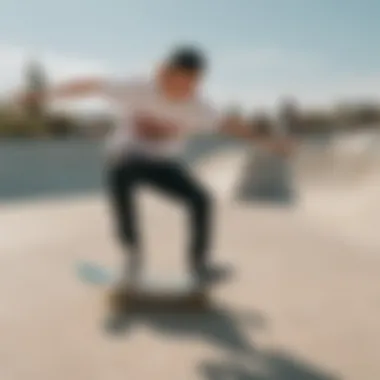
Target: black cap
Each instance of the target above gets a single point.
(187, 58)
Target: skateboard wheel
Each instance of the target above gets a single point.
(199, 300)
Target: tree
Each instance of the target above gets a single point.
(317, 121)
(36, 82)
(262, 123)
(289, 114)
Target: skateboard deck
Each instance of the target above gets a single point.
(154, 293)
(149, 293)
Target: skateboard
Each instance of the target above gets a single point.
(155, 294)
(148, 293)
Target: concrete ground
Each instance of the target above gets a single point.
(303, 304)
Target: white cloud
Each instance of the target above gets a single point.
(251, 78)
(309, 94)
(58, 67)
(257, 78)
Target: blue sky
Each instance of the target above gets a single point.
(317, 50)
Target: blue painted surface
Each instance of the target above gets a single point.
(93, 273)
(36, 169)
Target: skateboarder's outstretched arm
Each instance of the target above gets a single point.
(236, 127)
(125, 91)
(80, 88)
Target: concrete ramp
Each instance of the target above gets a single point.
(343, 159)
(266, 177)
(340, 187)
(303, 303)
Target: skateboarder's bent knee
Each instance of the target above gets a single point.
(201, 209)
(173, 180)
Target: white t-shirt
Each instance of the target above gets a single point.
(194, 116)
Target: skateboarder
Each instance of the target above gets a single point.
(157, 115)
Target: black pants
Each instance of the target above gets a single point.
(173, 180)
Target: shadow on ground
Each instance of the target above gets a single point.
(263, 365)
(215, 326)
(231, 333)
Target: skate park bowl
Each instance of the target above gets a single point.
(303, 303)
